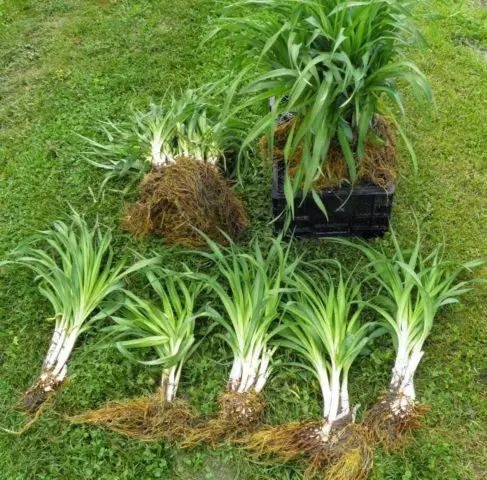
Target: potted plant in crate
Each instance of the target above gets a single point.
(333, 69)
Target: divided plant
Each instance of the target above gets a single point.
(181, 145)
(76, 271)
(335, 65)
(324, 326)
(158, 334)
(249, 289)
(413, 288)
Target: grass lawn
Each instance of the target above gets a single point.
(66, 63)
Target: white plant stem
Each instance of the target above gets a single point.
(402, 379)
(336, 404)
(156, 157)
(333, 404)
(264, 372)
(57, 342)
(65, 353)
(344, 399)
(251, 372)
(54, 368)
(235, 374)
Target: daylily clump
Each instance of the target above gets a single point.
(160, 334)
(324, 326)
(76, 271)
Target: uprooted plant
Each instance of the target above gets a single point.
(155, 333)
(181, 145)
(413, 289)
(331, 64)
(76, 271)
(250, 296)
(324, 327)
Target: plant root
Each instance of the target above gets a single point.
(238, 415)
(391, 429)
(39, 393)
(378, 164)
(177, 199)
(346, 455)
(349, 456)
(34, 400)
(146, 418)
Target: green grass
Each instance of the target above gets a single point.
(66, 63)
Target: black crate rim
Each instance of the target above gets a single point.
(340, 192)
(362, 210)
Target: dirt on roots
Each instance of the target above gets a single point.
(33, 401)
(346, 455)
(39, 393)
(147, 418)
(177, 199)
(238, 415)
(389, 429)
(378, 164)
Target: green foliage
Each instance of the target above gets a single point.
(413, 287)
(251, 294)
(165, 326)
(64, 68)
(330, 63)
(324, 325)
(197, 124)
(75, 270)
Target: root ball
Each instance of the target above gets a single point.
(39, 393)
(345, 455)
(238, 414)
(378, 165)
(390, 429)
(176, 199)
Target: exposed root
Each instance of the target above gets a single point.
(349, 456)
(145, 418)
(288, 441)
(34, 400)
(238, 414)
(378, 164)
(189, 194)
(32, 420)
(39, 393)
(346, 454)
(392, 428)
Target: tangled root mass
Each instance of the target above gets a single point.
(345, 455)
(389, 427)
(238, 414)
(378, 165)
(145, 418)
(179, 198)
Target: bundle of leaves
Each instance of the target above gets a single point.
(323, 326)
(75, 270)
(181, 200)
(413, 287)
(332, 64)
(250, 292)
(164, 330)
(195, 124)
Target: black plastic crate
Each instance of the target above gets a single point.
(365, 212)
